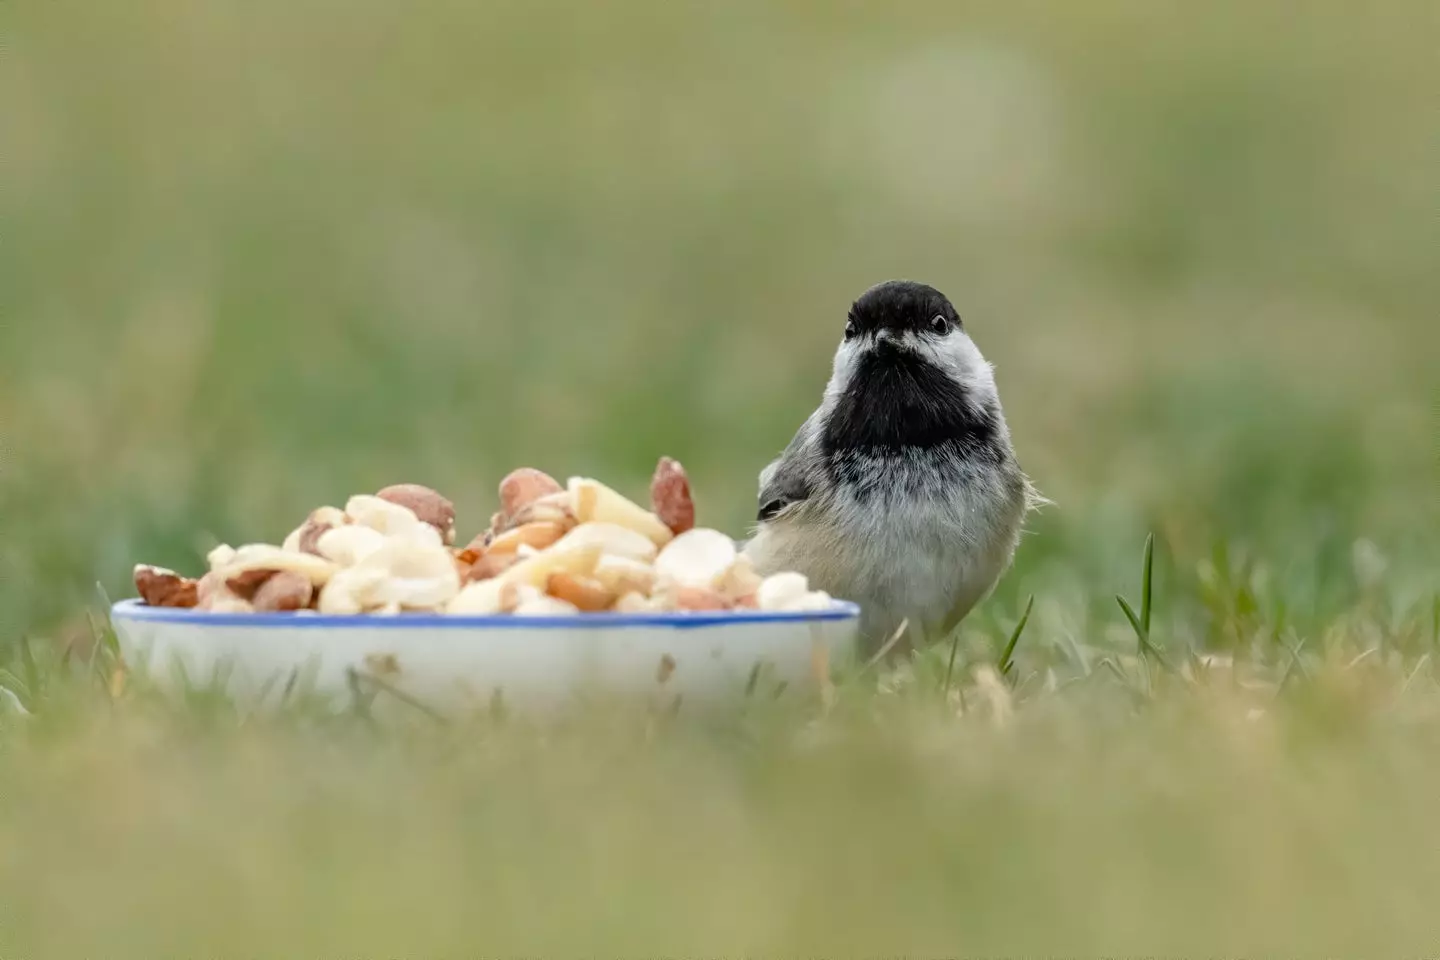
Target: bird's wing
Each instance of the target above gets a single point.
(786, 481)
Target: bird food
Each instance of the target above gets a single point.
(549, 550)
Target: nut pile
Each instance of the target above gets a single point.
(549, 550)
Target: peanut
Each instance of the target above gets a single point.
(427, 505)
(522, 487)
(670, 496)
(584, 593)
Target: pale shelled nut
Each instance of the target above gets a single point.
(417, 575)
(382, 515)
(550, 550)
(303, 539)
(545, 606)
(264, 556)
(592, 501)
(536, 570)
(492, 565)
(740, 580)
(208, 586)
(422, 535)
(214, 596)
(697, 558)
(349, 544)
(230, 604)
(401, 557)
(621, 575)
(814, 600)
(284, 591)
(418, 593)
(516, 595)
(664, 595)
(223, 555)
(699, 598)
(583, 593)
(778, 591)
(537, 536)
(351, 591)
(481, 598)
(613, 540)
(634, 602)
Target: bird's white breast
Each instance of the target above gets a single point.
(911, 548)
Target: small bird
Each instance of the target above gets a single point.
(901, 492)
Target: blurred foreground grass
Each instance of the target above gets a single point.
(261, 256)
(1231, 813)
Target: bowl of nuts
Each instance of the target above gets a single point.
(570, 588)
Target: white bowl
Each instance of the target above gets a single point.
(459, 662)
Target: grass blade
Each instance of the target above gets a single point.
(16, 686)
(384, 686)
(1421, 664)
(1140, 622)
(1290, 668)
(887, 647)
(1146, 579)
(30, 668)
(267, 686)
(1134, 619)
(753, 680)
(360, 698)
(1146, 647)
(1114, 668)
(1007, 662)
(289, 688)
(1435, 621)
(950, 665)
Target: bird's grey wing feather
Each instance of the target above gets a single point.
(786, 481)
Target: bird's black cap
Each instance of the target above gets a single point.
(899, 306)
(897, 397)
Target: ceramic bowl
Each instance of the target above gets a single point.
(455, 662)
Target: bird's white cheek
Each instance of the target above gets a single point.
(847, 357)
(958, 356)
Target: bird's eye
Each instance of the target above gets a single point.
(850, 330)
(939, 325)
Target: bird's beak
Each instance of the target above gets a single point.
(887, 341)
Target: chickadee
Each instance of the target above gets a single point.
(902, 491)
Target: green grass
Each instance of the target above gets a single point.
(266, 255)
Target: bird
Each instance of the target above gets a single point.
(901, 492)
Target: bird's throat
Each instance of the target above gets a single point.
(897, 400)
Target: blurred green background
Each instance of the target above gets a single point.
(261, 255)
(264, 255)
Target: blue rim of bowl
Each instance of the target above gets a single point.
(138, 610)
